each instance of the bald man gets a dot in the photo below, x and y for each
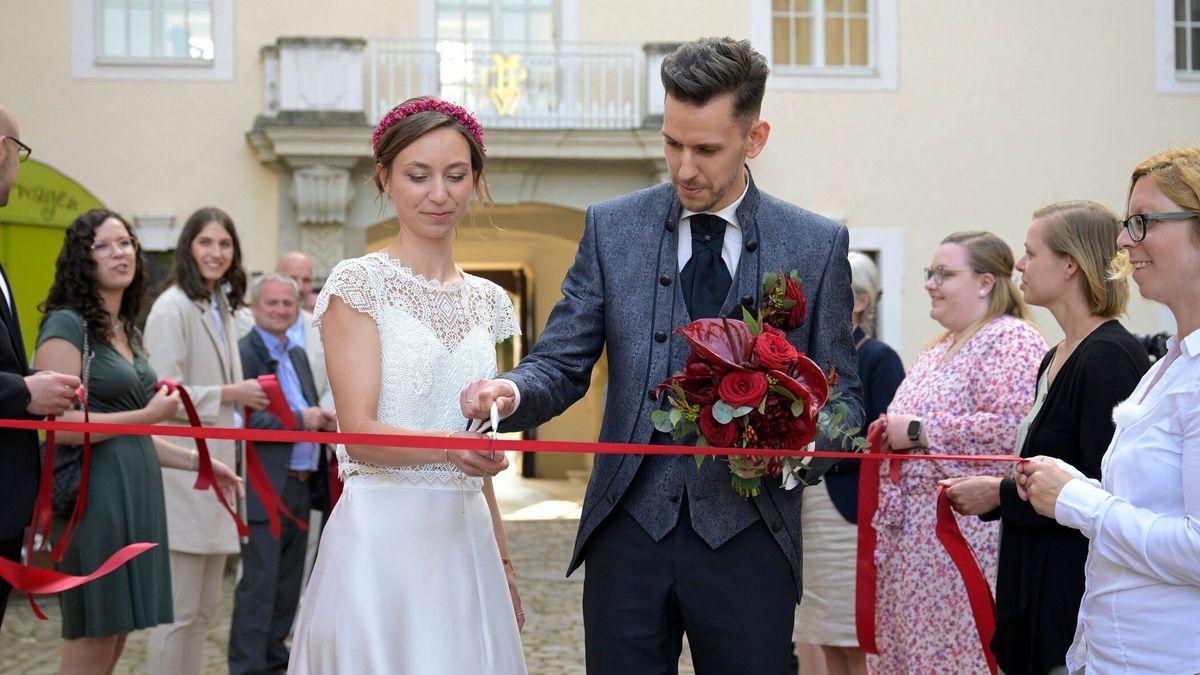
(11, 150)
(300, 267)
(23, 394)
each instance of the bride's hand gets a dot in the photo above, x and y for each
(516, 596)
(476, 462)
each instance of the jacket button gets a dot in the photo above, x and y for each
(660, 336)
(670, 225)
(665, 280)
(612, 499)
(751, 246)
(776, 527)
(674, 499)
(747, 301)
(652, 395)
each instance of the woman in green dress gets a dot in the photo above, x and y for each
(99, 285)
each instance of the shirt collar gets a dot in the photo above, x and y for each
(1189, 344)
(729, 213)
(274, 345)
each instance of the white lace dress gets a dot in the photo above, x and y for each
(408, 577)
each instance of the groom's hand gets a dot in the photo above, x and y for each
(476, 399)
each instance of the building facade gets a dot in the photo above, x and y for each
(905, 121)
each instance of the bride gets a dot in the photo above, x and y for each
(412, 574)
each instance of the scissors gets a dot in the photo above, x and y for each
(480, 426)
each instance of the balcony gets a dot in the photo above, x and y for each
(516, 85)
(566, 123)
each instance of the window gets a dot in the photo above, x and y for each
(821, 33)
(828, 44)
(179, 30)
(1177, 46)
(1187, 37)
(496, 21)
(152, 39)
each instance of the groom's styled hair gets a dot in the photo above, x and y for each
(703, 69)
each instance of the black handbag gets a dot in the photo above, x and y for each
(68, 459)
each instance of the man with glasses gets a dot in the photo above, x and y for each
(12, 152)
(23, 394)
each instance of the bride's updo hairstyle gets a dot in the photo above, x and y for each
(416, 117)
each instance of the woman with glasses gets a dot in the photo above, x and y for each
(99, 284)
(191, 338)
(965, 395)
(1068, 248)
(1141, 598)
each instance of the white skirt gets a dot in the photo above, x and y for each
(407, 580)
(826, 612)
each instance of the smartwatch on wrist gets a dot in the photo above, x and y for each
(914, 430)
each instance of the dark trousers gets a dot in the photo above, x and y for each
(264, 604)
(736, 603)
(11, 550)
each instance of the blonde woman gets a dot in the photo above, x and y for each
(1095, 367)
(1141, 599)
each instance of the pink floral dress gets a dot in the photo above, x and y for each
(970, 404)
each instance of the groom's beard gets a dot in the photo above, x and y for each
(717, 193)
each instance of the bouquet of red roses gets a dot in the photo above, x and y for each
(745, 386)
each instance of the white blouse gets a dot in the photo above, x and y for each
(1141, 606)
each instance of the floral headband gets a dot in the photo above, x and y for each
(403, 110)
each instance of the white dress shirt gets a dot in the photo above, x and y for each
(731, 245)
(1141, 604)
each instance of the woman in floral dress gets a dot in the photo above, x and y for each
(966, 395)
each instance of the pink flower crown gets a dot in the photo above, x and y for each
(403, 110)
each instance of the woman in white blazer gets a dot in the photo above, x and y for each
(191, 339)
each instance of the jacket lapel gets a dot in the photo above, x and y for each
(746, 288)
(304, 374)
(210, 327)
(12, 322)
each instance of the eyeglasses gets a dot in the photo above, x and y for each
(1136, 224)
(940, 274)
(122, 245)
(23, 151)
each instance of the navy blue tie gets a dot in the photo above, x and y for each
(705, 277)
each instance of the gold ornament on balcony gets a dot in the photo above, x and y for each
(506, 76)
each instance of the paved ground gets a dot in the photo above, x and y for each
(541, 520)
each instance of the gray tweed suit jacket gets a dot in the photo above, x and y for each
(622, 292)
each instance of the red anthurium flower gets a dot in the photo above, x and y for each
(723, 343)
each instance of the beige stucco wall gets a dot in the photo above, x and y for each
(1000, 108)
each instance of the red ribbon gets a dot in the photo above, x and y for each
(979, 594)
(205, 476)
(456, 443)
(38, 580)
(868, 504)
(259, 480)
(35, 580)
(868, 480)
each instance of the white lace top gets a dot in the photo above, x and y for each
(435, 339)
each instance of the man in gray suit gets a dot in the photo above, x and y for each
(272, 568)
(671, 548)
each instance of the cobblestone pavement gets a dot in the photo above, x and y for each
(540, 548)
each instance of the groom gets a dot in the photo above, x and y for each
(671, 548)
